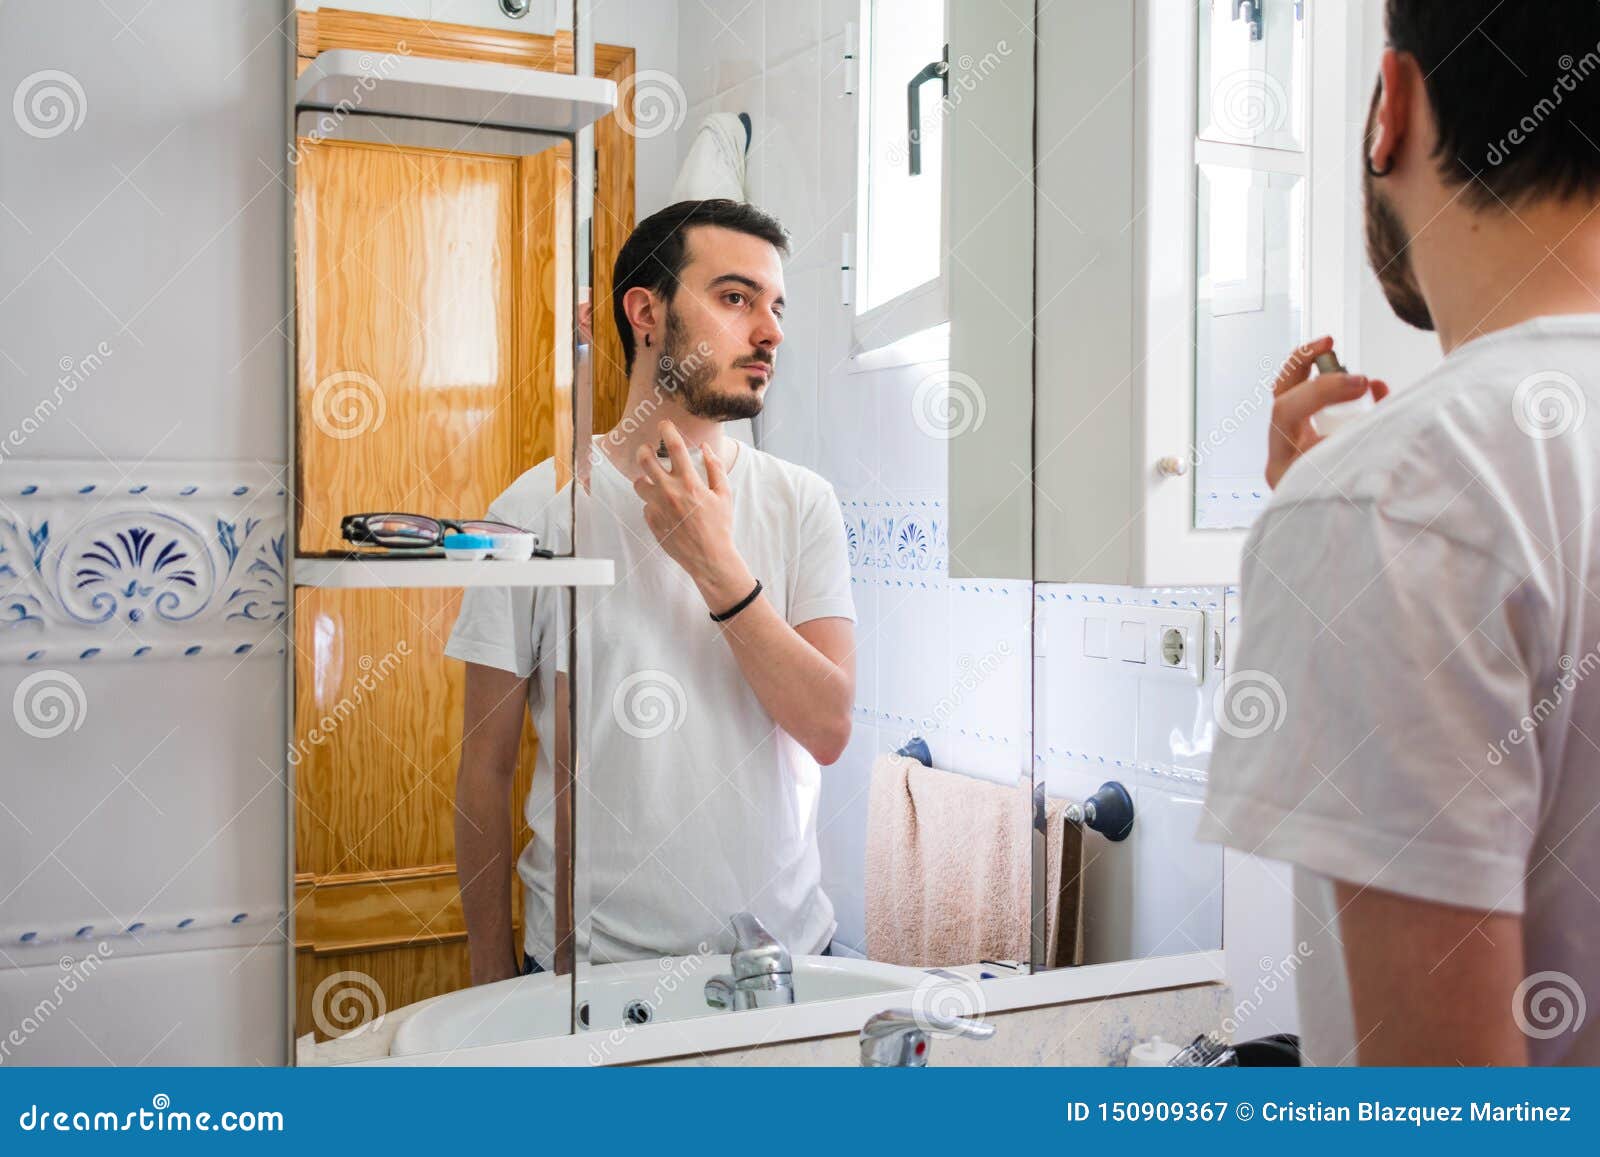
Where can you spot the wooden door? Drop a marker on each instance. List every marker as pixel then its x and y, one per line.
pixel 429 294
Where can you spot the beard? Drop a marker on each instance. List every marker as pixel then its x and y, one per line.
pixel 692 376
pixel 1388 244
pixel 1387 253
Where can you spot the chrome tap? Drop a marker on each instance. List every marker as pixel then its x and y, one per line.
pixel 762 970
pixel 898 1037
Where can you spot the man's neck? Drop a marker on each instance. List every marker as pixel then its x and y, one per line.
pixel 1483 272
pixel 648 405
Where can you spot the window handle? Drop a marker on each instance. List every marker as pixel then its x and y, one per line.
pixel 934 70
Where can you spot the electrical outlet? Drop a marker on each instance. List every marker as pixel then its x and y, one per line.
pixel 1178 640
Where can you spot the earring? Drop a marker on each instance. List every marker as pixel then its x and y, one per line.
pixel 1374 171
pixel 647 336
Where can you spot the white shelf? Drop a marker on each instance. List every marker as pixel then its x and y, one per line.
pixel 468 93
pixel 445 572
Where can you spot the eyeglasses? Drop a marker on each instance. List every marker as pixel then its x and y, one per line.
pixel 415 530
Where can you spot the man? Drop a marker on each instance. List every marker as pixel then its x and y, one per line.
pixel 706 701
pixel 1407 719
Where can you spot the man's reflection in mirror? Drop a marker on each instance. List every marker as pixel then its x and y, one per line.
pixel 714 678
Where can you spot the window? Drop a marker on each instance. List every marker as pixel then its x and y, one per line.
pixel 1250 241
pixel 899 285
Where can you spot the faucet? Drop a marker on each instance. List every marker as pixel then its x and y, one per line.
pixel 898 1037
pixel 762 970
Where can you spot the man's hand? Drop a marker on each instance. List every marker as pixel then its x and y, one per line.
pixel 692 519
pixel 1297 396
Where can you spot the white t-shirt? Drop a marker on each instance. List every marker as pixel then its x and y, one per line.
pixel 1411 705
pixel 693 805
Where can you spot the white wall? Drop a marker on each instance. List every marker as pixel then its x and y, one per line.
pixel 142 259
pixel 142 251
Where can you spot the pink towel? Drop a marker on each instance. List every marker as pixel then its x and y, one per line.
pixel 947 870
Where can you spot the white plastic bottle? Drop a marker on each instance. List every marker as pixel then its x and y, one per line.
pixel 1334 418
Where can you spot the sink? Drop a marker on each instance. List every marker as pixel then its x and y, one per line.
pixel 614 996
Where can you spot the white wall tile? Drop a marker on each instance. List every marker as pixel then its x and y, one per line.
pixel 214 1007
pixel 697 63
pixel 787 141
pixel 650 28
pixel 912 455
pixel 842 831
pixel 791 29
pixel 732 33
pixel 789 420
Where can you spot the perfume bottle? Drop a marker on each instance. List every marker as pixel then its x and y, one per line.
pixel 1330 419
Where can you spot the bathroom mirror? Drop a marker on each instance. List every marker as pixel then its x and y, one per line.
pixel 904 765
pixel 432 196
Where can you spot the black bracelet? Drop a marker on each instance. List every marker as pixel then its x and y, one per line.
pixel 743 603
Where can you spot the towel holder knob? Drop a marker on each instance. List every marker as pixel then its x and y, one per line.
pixel 1109 811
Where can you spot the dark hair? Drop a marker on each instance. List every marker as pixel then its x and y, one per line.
pixel 1514 92
pixel 658 248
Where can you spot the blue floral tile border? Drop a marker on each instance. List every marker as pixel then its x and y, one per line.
pixel 904 537
pixel 152 561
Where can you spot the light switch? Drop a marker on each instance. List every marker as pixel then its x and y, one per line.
pixel 1096 644
pixel 1130 643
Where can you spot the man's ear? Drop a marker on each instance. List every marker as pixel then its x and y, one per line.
pixel 1401 81
pixel 642 309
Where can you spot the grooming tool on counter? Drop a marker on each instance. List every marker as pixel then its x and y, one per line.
pixel 1333 418
pixel 1152 1054
pixel 1205 1052
pixel 1108 811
